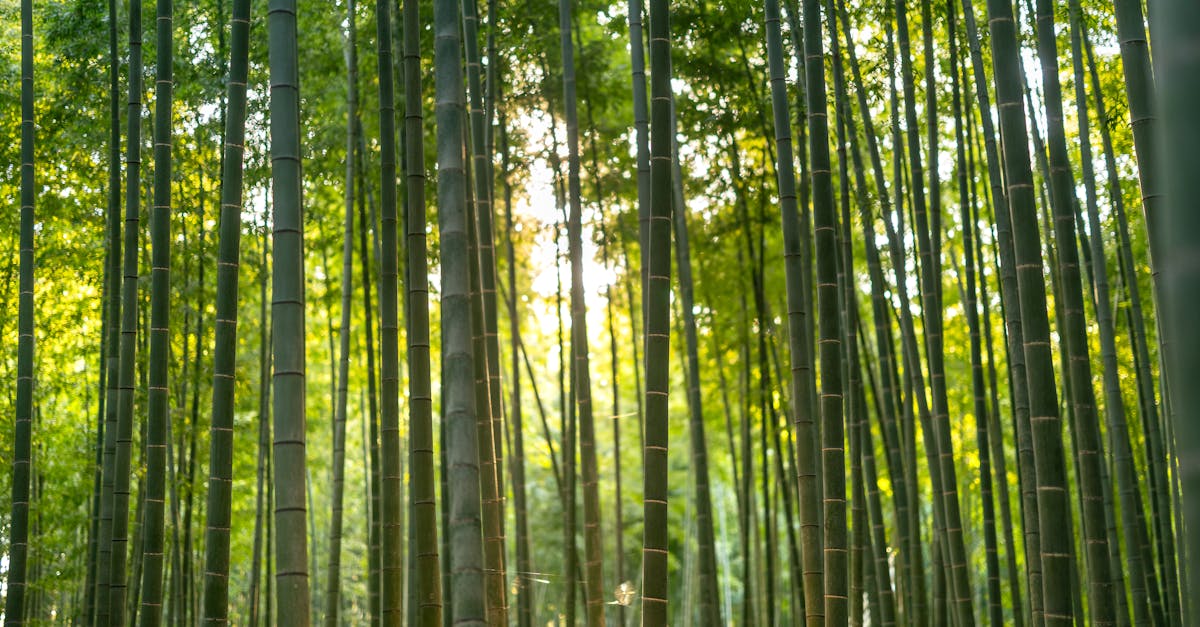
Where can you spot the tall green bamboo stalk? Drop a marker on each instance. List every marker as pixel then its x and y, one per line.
pixel 746 519
pixel 913 385
pixel 101 552
pixel 832 430
pixel 1052 497
pixel 220 482
pixel 885 607
pixel 488 265
pixel 461 446
pixel 567 480
pixel 910 198
pixel 14 603
pixel 657 255
pixel 100 596
pixel 424 553
pixel 114 612
pixel 1086 434
pixel 1178 64
pixel 160 320
pixel 805 429
pixel 995 433
pixel 287 319
pixel 392 567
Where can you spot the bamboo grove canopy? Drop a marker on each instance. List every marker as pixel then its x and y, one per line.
pixel 549 312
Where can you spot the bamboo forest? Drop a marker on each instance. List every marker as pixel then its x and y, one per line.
pixel 464 313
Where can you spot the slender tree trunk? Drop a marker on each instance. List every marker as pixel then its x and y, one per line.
pixel 160 293
pixel 572 575
pixel 917 407
pixel 609 298
pixel 657 292
pixel 764 553
pixel 97 595
pixel 805 430
pixel 14 603
pixel 886 606
pixel 424 553
pixel 785 465
pixel 136 555
pixel 566 485
pixel 1087 433
pixel 490 279
pixel 287 319
pixel 1052 500
pixel 796 32
pixel 465 526
pixel 114 613
pixel 858 511
pixel 1150 411
pixel 748 513
pixel 833 459
pixel 641 125
pixel 1178 66
pixel 313 532
pixel 100 613
pixel 851 372
pixel 218 506
pixel 392 559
